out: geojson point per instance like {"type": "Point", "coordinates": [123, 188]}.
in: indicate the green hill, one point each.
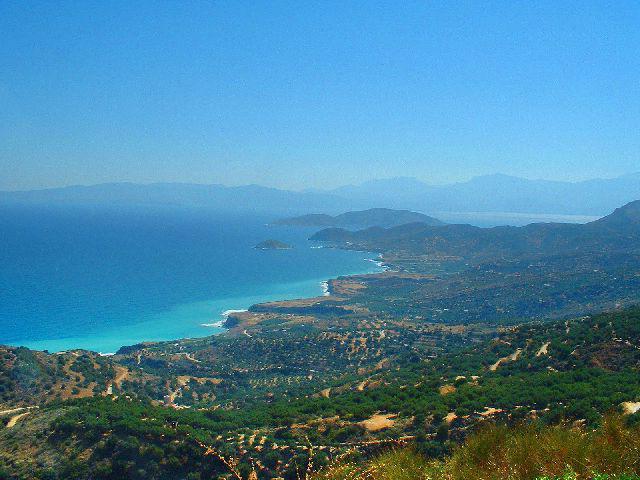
{"type": "Point", "coordinates": [617, 231]}
{"type": "Point", "coordinates": [569, 372]}
{"type": "Point", "coordinates": [381, 217]}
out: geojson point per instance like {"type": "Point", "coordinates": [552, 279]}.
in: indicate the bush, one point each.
{"type": "Point", "coordinates": [528, 452]}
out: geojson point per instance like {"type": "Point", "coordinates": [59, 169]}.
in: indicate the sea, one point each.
{"type": "Point", "coordinates": [100, 278]}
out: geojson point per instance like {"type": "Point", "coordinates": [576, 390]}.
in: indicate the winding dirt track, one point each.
{"type": "Point", "coordinates": [13, 420]}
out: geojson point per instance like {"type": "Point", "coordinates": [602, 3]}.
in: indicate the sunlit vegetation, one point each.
{"type": "Point", "coordinates": [565, 372]}
{"type": "Point", "coordinates": [528, 452]}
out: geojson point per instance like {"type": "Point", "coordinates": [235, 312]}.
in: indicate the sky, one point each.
{"type": "Point", "coordinates": [316, 94]}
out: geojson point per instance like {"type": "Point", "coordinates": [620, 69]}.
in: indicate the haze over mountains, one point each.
{"type": "Point", "coordinates": [491, 193]}
{"type": "Point", "coordinates": [500, 193]}
{"type": "Point", "coordinates": [253, 198]}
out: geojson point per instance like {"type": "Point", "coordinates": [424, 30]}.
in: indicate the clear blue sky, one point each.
{"type": "Point", "coordinates": [316, 94]}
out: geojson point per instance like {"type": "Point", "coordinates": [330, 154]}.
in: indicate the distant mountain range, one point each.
{"type": "Point", "coordinates": [491, 193]}
{"type": "Point", "coordinates": [249, 198]}
{"type": "Point", "coordinates": [381, 217]}
{"type": "Point", "coordinates": [499, 193]}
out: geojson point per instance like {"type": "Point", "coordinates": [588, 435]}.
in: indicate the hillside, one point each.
{"type": "Point", "coordinates": [573, 369]}
{"type": "Point", "coordinates": [625, 218]}
{"type": "Point", "coordinates": [380, 217]}
{"type": "Point", "coordinates": [617, 231]}
{"type": "Point", "coordinates": [29, 377]}
{"type": "Point", "coordinates": [524, 453]}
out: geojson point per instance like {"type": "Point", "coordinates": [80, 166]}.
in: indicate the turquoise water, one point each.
{"type": "Point", "coordinates": [100, 278]}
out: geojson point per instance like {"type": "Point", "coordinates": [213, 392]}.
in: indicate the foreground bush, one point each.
{"type": "Point", "coordinates": [531, 452]}
{"type": "Point", "coordinates": [403, 464]}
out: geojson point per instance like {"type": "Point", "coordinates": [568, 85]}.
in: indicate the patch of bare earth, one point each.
{"type": "Point", "coordinates": [378, 422]}
{"type": "Point", "coordinates": [446, 389]}
{"type": "Point", "coordinates": [510, 358]}
{"type": "Point", "coordinates": [13, 420]}
{"type": "Point", "coordinates": [450, 417]}
{"type": "Point", "coordinates": [544, 350]}
{"type": "Point", "coordinates": [490, 411]}
{"type": "Point", "coordinates": [629, 408]}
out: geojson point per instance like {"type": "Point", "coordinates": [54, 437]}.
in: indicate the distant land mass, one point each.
{"type": "Point", "coordinates": [273, 245]}
{"type": "Point", "coordinates": [373, 217]}
{"type": "Point", "coordinates": [616, 231]}
{"type": "Point", "coordinates": [490, 193]}
{"type": "Point", "coordinates": [221, 198]}
{"type": "Point", "coordinates": [498, 193]}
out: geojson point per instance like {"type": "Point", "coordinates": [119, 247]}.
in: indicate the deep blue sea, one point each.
{"type": "Point", "coordinates": [98, 278]}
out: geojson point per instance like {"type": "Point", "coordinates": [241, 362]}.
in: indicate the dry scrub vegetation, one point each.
{"type": "Point", "coordinates": [612, 452]}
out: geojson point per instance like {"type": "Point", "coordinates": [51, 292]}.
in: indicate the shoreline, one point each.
{"type": "Point", "coordinates": [235, 323]}
{"type": "Point", "coordinates": [62, 344]}
{"type": "Point", "coordinates": [225, 316]}
{"type": "Point", "coordinates": [325, 285]}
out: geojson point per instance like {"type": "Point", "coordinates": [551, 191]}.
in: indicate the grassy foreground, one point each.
{"type": "Point", "coordinates": [612, 452]}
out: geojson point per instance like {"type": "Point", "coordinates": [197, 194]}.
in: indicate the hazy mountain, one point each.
{"type": "Point", "coordinates": [499, 193]}
{"type": "Point", "coordinates": [490, 193]}
{"type": "Point", "coordinates": [252, 198]}
{"type": "Point", "coordinates": [382, 217]}
{"type": "Point", "coordinates": [393, 191]}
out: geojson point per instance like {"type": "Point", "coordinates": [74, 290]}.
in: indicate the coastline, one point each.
{"type": "Point", "coordinates": [199, 315]}
{"type": "Point", "coordinates": [231, 319]}
{"type": "Point", "coordinates": [225, 316]}
{"type": "Point", "coordinates": [238, 322]}
{"type": "Point", "coordinates": [234, 318]}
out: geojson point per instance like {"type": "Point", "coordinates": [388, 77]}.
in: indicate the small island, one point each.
{"type": "Point", "coordinates": [273, 245]}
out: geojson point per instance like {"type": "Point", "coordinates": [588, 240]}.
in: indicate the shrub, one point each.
{"type": "Point", "coordinates": [527, 452]}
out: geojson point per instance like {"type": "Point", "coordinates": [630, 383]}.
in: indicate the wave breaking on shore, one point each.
{"type": "Point", "coordinates": [224, 315]}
